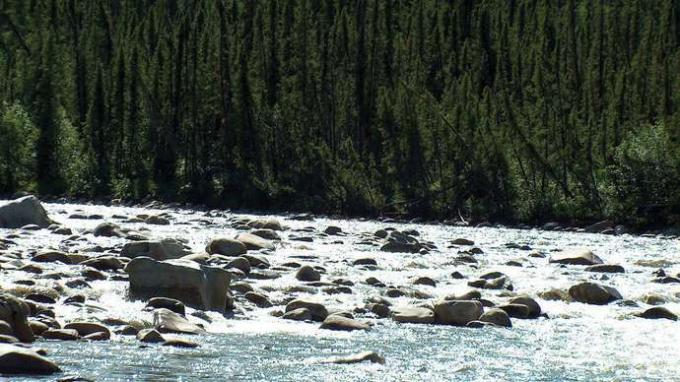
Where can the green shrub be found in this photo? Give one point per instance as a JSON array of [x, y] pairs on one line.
[[17, 157]]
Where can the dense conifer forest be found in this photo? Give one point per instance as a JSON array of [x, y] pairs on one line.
[[507, 110]]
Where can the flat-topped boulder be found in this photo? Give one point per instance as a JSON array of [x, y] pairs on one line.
[[23, 211], [200, 286], [164, 249], [576, 257], [413, 315]]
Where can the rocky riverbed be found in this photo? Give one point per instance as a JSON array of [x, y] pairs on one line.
[[160, 293]]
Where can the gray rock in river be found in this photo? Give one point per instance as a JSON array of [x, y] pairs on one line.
[[497, 317], [658, 312], [196, 285], [368, 356], [254, 242], [457, 312], [19, 360], [23, 211], [226, 247], [338, 322], [413, 315], [318, 311], [167, 321], [576, 257], [307, 273], [593, 293]]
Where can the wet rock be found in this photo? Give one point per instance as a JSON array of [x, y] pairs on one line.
[[576, 257], [338, 322], [23, 211], [75, 299], [86, 329], [599, 226], [266, 233], [381, 233], [653, 299], [379, 309], [196, 285], [497, 317], [254, 242], [240, 263], [150, 336], [157, 220], [365, 261], [167, 303], [457, 312], [104, 263], [40, 297], [258, 299], [36, 326], [413, 315], [338, 290], [368, 356], [469, 295], [502, 282], [593, 293], [92, 274], [299, 314], [530, 303], [333, 230], [108, 229], [555, 295], [462, 241], [658, 312], [424, 281], [180, 343], [30, 268], [307, 273], [262, 274], [19, 360], [61, 334], [605, 268], [272, 224], [457, 275], [51, 257], [318, 311], [516, 310], [241, 287], [167, 321], [226, 247], [374, 281], [394, 293], [7, 339], [158, 250]]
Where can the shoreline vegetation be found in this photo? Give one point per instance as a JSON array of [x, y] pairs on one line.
[[521, 112]]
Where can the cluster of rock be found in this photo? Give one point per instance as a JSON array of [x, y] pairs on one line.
[[171, 279]]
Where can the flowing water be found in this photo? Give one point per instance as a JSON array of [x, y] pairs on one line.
[[578, 342]]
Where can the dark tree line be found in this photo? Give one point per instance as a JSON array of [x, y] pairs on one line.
[[495, 109]]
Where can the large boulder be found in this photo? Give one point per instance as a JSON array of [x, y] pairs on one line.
[[14, 312], [534, 310], [576, 257], [167, 321], [23, 211], [254, 242], [225, 247], [457, 312], [159, 250], [413, 315], [593, 293], [196, 285], [19, 360]]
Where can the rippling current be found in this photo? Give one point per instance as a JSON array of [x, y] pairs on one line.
[[578, 342]]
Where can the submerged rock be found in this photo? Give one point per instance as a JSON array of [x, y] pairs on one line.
[[23, 211], [196, 285], [368, 356]]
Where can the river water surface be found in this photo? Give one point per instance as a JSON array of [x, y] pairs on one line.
[[578, 342]]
